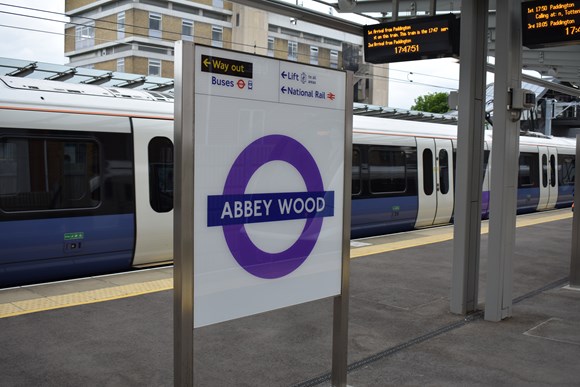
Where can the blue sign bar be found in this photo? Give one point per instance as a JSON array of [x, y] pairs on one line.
[[226, 210]]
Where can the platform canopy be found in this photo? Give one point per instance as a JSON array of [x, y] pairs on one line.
[[560, 64]]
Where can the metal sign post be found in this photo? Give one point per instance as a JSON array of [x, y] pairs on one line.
[[341, 302], [183, 222]]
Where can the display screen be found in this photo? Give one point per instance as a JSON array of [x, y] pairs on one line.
[[412, 39], [550, 23]]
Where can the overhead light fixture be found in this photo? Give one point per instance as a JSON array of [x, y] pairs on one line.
[[346, 5]]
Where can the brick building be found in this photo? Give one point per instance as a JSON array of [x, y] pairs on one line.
[[137, 36]]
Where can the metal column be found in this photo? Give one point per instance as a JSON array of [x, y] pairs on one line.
[[548, 116], [183, 218], [504, 159], [575, 259], [470, 141], [341, 302]]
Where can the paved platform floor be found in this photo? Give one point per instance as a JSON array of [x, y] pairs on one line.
[[400, 329]]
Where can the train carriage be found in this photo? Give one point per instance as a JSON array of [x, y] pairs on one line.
[[86, 178]]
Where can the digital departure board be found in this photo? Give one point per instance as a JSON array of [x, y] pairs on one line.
[[550, 23], [412, 39]]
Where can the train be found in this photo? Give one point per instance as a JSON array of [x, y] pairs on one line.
[[86, 178]]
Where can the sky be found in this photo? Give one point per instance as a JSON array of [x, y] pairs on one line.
[[27, 42], [41, 40]]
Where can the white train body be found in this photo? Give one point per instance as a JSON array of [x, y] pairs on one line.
[[86, 178]]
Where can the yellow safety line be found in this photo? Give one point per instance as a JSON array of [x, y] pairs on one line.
[[399, 245], [42, 304]]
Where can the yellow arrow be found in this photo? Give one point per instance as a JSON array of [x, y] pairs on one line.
[[206, 62]]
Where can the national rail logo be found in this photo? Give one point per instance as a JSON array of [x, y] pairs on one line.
[[235, 208]]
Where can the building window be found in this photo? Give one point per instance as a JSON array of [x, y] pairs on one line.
[[121, 25], [121, 65], [85, 36], [218, 3], [155, 67], [270, 46], [313, 55], [333, 59], [293, 50], [187, 30], [217, 36], [154, 25]]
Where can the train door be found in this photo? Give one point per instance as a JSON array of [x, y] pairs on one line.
[[435, 183], [153, 190], [548, 177]]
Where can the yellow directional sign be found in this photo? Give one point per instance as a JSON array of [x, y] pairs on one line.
[[217, 65], [548, 23]]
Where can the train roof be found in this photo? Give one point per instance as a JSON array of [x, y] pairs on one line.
[[371, 130], [37, 94], [365, 125]]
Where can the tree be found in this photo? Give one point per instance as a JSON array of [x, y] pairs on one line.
[[432, 103]]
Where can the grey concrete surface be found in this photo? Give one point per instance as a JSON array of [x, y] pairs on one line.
[[401, 331]]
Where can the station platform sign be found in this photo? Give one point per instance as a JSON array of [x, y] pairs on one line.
[[412, 39], [269, 151], [549, 23]]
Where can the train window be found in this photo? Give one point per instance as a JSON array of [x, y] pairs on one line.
[[544, 171], [356, 171], [444, 171], [39, 174], [552, 170], [528, 170], [160, 151], [566, 169], [428, 171], [387, 169]]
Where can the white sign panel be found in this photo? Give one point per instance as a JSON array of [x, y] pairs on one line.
[[268, 187]]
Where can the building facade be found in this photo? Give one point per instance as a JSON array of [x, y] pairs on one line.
[[138, 36]]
